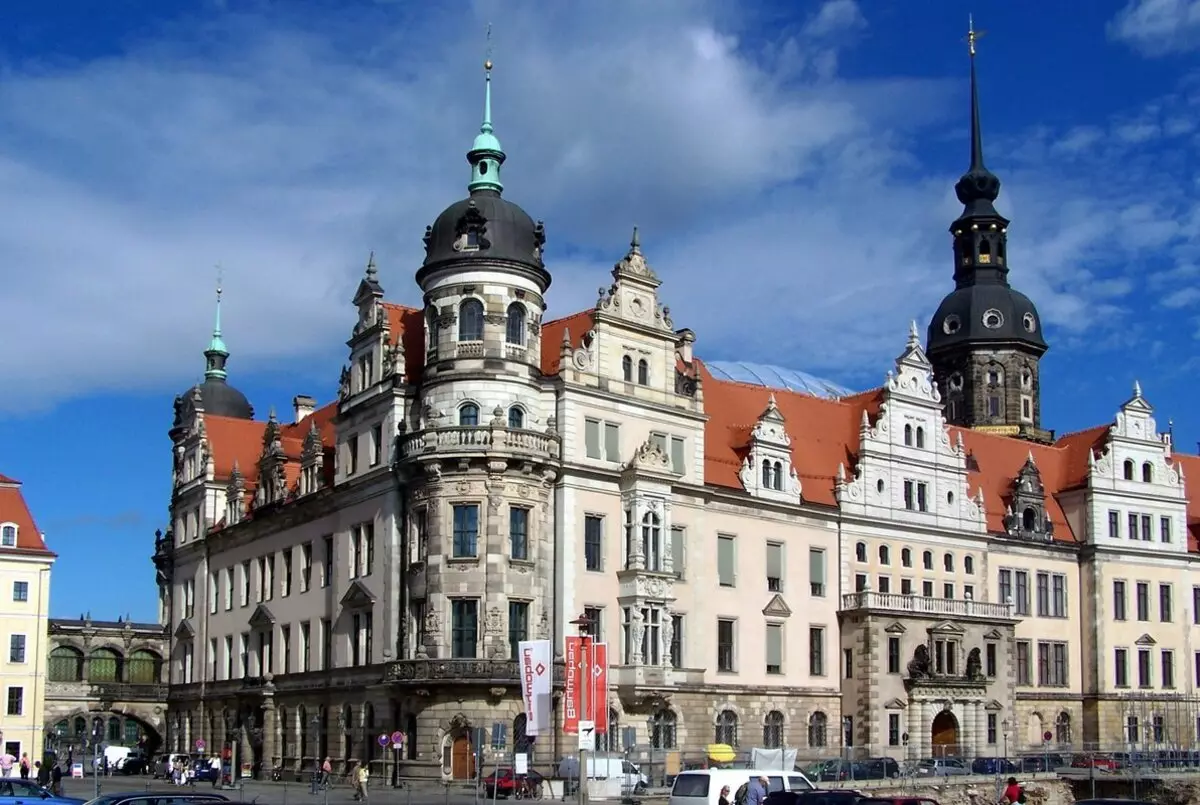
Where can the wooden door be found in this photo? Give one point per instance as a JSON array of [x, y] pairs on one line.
[[462, 759]]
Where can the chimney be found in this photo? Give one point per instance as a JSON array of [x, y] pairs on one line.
[[303, 406]]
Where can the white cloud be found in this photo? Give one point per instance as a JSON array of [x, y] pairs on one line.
[[284, 150], [1158, 27]]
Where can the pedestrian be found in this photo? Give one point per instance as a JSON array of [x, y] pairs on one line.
[[43, 773], [1013, 793], [757, 791], [56, 781], [326, 770], [360, 777], [724, 798], [24, 766], [315, 781]]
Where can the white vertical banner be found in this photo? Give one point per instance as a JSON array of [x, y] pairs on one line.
[[537, 670]]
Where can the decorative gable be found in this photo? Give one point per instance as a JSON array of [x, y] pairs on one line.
[[261, 618], [993, 634], [909, 470], [993, 706], [1025, 516], [184, 630], [896, 704], [357, 596], [777, 608], [272, 473], [1146, 640], [235, 496], [312, 461], [767, 470], [947, 627], [896, 628], [633, 296]]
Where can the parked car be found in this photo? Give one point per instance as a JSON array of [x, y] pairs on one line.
[[814, 797], [941, 767], [14, 791], [897, 801], [1044, 762], [703, 786], [993, 765], [504, 783], [160, 798], [1098, 762]]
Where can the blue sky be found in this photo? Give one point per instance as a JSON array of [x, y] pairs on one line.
[[790, 166]]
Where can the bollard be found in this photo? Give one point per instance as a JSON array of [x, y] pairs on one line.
[[408, 795]]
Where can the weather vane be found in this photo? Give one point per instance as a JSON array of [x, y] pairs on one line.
[[220, 273], [487, 53], [973, 36]]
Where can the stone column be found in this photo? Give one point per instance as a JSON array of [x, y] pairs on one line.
[[924, 728], [913, 729], [981, 744], [270, 728]]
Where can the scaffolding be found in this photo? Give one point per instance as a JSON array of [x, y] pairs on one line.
[[1154, 722]]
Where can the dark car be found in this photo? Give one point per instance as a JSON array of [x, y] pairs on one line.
[[897, 801], [144, 798], [993, 765], [505, 783], [1112, 802], [813, 797]]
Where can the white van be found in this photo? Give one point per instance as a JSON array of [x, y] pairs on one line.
[[605, 767], [703, 786]]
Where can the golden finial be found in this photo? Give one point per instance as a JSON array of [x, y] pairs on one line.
[[220, 272], [487, 60], [973, 36]]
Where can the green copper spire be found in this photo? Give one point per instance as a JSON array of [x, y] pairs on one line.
[[486, 156], [216, 354]]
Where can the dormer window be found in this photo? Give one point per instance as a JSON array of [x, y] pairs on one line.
[[951, 324], [470, 320], [956, 382], [470, 240], [627, 369], [8, 535], [772, 475], [993, 319], [643, 373], [514, 330], [468, 416]]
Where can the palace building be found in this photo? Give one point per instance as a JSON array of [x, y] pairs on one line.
[[918, 569]]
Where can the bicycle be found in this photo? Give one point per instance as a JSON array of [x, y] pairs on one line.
[[527, 789]]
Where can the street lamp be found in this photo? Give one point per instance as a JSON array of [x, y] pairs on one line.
[[97, 738], [1004, 732], [584, 624]]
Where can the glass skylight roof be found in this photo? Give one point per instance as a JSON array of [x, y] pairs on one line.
[[776, 377]]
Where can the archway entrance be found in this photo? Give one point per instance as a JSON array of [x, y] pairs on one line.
[[945, 734], [462, 759]]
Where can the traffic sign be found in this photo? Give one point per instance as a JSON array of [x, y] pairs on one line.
[[397, 737], [587, 736], [384, 739], [199, 744], [1047, 736]]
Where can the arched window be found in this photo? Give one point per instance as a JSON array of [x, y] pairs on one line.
[[611, 740], [662, 730], [885, 556], [516, 418], [948, 562], [860, 552], [726, 731], [773, 730], [468, 416], [766, 474], [470, 320], [521, 740], [908, 435], [1128, 469], [643, 373], [66, 665], [1147, 473], [818, 727], [1062, 728], [144, 667], [777, 477], [927, 560], [627, 369], [920, 437], [906, 557], [1029, 519], [514, 329], [8, 536], [969, 565], [80, 726], [104, 665], [113, 729]]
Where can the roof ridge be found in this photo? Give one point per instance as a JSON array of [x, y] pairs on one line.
[[401, 306], [1081, 431], [841, 401]]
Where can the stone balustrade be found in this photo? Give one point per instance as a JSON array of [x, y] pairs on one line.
[[481, 439], [920, 605]]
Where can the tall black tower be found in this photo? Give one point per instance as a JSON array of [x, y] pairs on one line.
[[985, 341]]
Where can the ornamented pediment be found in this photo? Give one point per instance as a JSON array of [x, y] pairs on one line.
[[993, 634], [777, 608], [947, 627], [471, 229], [633, 295], [993, 706], [1135, 420], [650, 457], [1146, 640], [896, 628], [913, 377], [272, 475], [1026, 515], [896, 704], [770, 426], [184, 630], [357, 596], [314, 449], [261, 618]]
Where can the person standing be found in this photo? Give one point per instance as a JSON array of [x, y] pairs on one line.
[[361, 776], [56, 781], [42, 773], [757, 791], [24, 765]]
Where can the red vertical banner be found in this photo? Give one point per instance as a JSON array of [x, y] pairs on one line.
[[598, 695], [572, 660]]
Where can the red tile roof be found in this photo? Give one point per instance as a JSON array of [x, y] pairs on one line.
[[14, 509]]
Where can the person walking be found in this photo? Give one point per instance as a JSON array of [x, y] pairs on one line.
[[361, 775], [56, 781]]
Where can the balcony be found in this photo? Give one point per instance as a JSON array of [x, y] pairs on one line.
[[933, 607], [488, 441], [459, 671], [128, 691]]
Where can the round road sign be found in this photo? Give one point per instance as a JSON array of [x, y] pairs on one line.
[[384, 740], [397, 737], [1047, 736]]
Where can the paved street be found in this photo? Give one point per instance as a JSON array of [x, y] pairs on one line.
[[286, 793]]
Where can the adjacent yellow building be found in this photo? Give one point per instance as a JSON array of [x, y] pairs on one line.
[[24, 615]]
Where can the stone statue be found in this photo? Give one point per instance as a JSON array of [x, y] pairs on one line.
[[919, 667], [974, 664]]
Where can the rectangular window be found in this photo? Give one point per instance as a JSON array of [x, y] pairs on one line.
[[922, 496], [774, 567], [367, 535], [652, 636], [305, 647], [927, 589], [659, 440], [593, 532], [1052, 664], [16, 648], [725, 645], [860, 582], [1058, 596], [1147, 527], [595, 623], [518, 626], [286, 588], [1133, 526], [1119, 600], [326, 644], [1196, 605], [352, 455], [1165, 610], [816, 572], [1021, 596], [726, 560], [466, 530], [848, 663], [16, 701], [245, 596], [1114, 524], [1121, 668], [213, 592], [518, 533], [376, 445], [991, 729], [893, 655], [1026, 415], [356, 630], [1143, 601], [1164, 529], [774, 648], [893, 729], [1144, 668], [678, 550], [612, 441], [306, 559], [909, 496], [1167, 661], [947, 590], [327, 568], [464, 628], [285, 647], [884, 584], [1043, 595], [906, 587], [989, 659], [1023, 662], [20, 591], [677, 461], [228, 656], [591, 438], [676, 647], [816, 651], [1005, 585], [268, 581]]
